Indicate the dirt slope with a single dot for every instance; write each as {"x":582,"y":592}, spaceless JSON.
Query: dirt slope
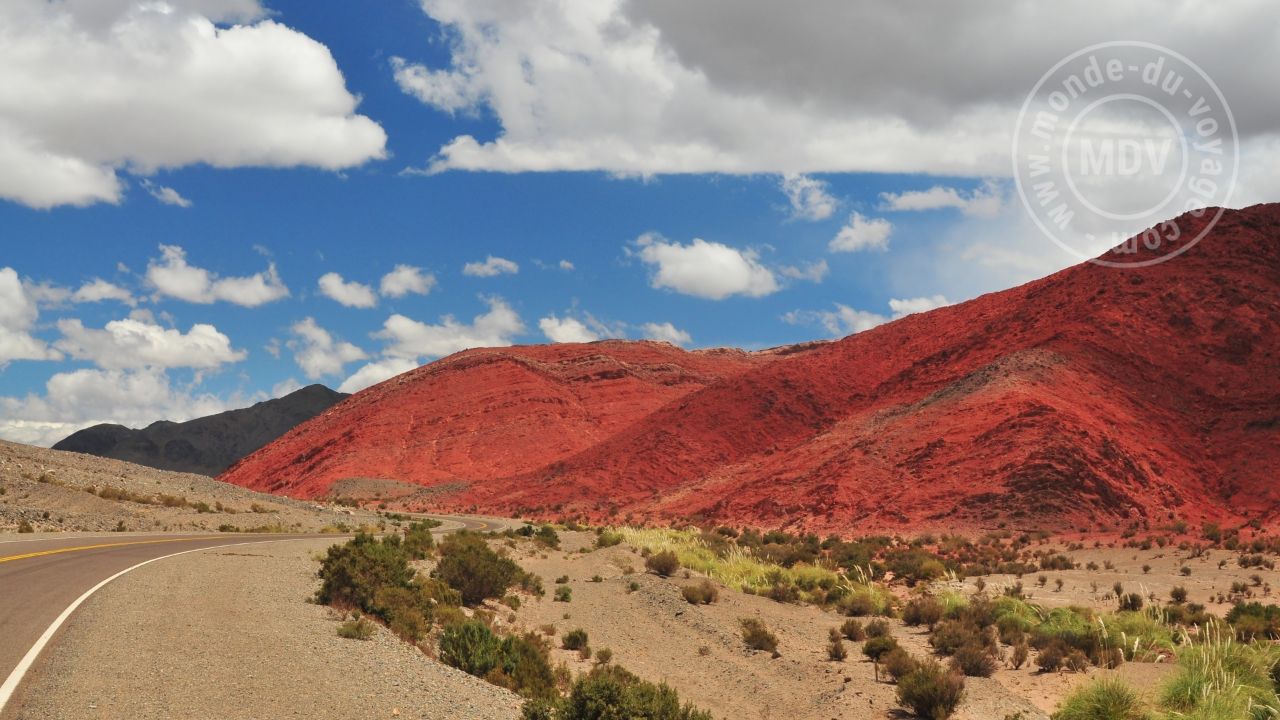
{"x":1096,"y":396}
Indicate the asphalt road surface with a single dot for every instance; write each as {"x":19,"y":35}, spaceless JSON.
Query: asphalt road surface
{"x":43,"y":580}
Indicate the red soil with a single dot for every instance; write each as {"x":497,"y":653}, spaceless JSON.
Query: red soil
{"x":1092,"y":398}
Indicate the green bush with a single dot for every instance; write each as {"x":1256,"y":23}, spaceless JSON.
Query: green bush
{"x":1255,"y":620}
{"x":352,"y":573}
{"x":877,"y":628}
{"x":1102,"y":699}
{"x":925,"y":610}
{"x":608,"y":538}
{"x":609,"y":692}
{"x":758,"y":637}
{"x":663,"y":563}
{"x":469,"y":566}
{"x":931,"y":691}
{"x":974,"y":660}
{"x":564,"y":593}
{"x":518,"y":663}
{"x":418,"y":542}
{"x":546,"y":535}
{"x":877,"y":647}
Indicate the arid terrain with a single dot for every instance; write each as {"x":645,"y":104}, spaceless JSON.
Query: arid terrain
{"x":49,"y":490}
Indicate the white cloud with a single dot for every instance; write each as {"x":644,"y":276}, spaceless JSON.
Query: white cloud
{"x":665,"y":332}
{"x":566,"y":265}
{"x":125,"y":344}
{"x":813,"y":272}
{"x":566,"y":330}
{"x":705,"y":269}
{"x":318,"y":353}
{"x":18,"y":314}
{"x":375,"y":372}
{"x":490,"y":267}
{"x":408,"y":341}
{"x":172,"y":276}
{"x":985,"y":201}
{"x":285,"y":387}
{"x":405,"y":279}
{"x":94,"y":88}
{"x":97,"y":290}
{"x":166,"y":195}
{"x":349,"y":294}
{"x":844,"y":320}
{"x":75,"y":400}
{"x":809,"y":197}
{"x":862,"y":233}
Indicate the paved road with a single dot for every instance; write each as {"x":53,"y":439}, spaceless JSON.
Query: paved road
{"x":44,"y":579}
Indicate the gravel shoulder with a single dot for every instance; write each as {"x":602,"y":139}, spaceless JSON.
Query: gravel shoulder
{"x":227,"y":633}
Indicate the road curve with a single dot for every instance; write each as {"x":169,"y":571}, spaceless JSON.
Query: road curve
{"x":44,"y":579}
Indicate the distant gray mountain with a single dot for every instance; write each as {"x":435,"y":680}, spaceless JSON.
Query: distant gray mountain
{"x":207,"y":445}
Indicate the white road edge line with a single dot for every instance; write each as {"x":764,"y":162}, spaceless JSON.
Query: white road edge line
{"x":15,"y":678}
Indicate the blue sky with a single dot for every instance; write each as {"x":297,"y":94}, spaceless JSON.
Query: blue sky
{"x":805,"y":219}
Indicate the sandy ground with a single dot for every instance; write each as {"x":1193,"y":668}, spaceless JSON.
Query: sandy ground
{"x":699,"y":651}
{"x":228,"y":634}
{"x":46,"y":488}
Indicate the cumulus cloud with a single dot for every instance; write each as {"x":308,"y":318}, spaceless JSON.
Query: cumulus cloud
{"x":665,"y":332}
{"x":408,"y":341}
{"x":813,"y":272}
{"x":318,"y":353}
{"x":98,"y":290}
{"x":809,"y":197}
{"x":80,"y":398}
{"x":862,"y":233}
{"x":18,"y":314}
{"x":166,"y":195}
{"x":349,"y":294}
{"x":95,"y":88}
{"x":844,"y":320}
{"x":985,"y":201}
{"x":566,"y":265}
{"x":566,"y":330}
{"x":406,"y":279}
{"x":129,"y":343}
{"x":704,"y":269}
{"x":490,"y":267}
{"x":646,"y":87}
{"x":172,"y":276}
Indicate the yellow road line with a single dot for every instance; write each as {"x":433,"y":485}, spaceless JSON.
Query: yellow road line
{"x":56,"y":551}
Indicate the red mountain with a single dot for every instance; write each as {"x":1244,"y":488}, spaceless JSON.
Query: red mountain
{"x":1094,"y":397}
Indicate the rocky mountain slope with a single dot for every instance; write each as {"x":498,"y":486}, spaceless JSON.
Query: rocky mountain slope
{"x":206,"y":445}
{"x":1095,"y":397}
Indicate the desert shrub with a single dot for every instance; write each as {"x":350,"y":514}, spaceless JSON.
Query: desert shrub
{"x":835,"y":647}
{"x":1075,"y":661}
{"x":604,"y":655}
{"x":469,"y":566}
{"x":864,"y":599}
{"x":877,"y":628}
{"x":974,"y":660}
{"x":1018,"y":657}
{"x":352,"y":574}
{"x":25,"y":527}
{"x":574,"y":640}
{"x":663,"y":563}
{"x":1221,"y":678}
{"x":609,"y":692}
{"x":1130,"y":602}
{"x":1073,"y":627}
{"x":877,"y":647}
{"x":924,"y":610}
{"x":704,"y":593}
{"x":1051,"y":656}
{"x":608,"y":538}
{"x":356,"y":629}
{"x":518,"y":663}
{"x":949,"y":635}
{"x":1254,"y":620}
{"x":1178,"y":594}
{"x":418,"y":542}
{"x":564,"y":593}
{"x":757,"y":636}
{"x":546,"y":535}
{"x":1102,"y":699}
{"x":898,"y":663}
{"x":931,"y":691}
{"x":852,"y":630}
